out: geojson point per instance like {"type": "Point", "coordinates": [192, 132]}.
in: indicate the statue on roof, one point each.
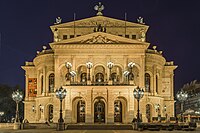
{"type": "Point", "coordinates": [140, 20]}
{"type": "Point", "coordinates": [99, 8]}
{"type": "Point", "coordinates": [58, 20]}
{"type": "Point", "coordinates": [56, 37]}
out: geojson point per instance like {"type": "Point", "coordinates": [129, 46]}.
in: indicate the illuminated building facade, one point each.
{"type": "Point", "coordinates": [99, 61]}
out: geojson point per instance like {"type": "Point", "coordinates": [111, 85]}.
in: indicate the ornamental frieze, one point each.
{"type": "Point", "coordinates": [99, 40]}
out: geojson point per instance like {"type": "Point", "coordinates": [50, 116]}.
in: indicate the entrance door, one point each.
{"type": "Point", "coordinates": [99, 112]}
{"type": "Point", "coordinates": [118, 111]}
{"type": "Point", "coordinates": [81, 111]}
{"type": "Point", "coordinates": [148, 112]}
{"type": "Point", "coordinates": [50, 118]}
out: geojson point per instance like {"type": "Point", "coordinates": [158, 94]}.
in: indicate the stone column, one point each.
{"type": "Point", "coordinates": [67, 107]}
{"type": "Point", "coordinates": [57, 73]}
{"type": "Point", "coordinates": [26, 80]}
{"type": "Point", "coordinates": [142, 71]}
{"type": "Point", "coordinates": [88, 111]}
{"type": "Point", "coordinates": [110, 107]}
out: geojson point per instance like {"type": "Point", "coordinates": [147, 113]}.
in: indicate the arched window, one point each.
{"type": "Point", "coordinates": [147, 82]}
{"type": "Point", "coordinates": [156, 83]}
{"type": "Point", "coordinates": [42, 85]}
{"type": "Point", "coordinates": [51, 82]}
{"type": "Point", "coordinates": [83, 77]}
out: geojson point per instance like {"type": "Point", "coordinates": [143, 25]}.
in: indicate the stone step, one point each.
{"type": "Point", "coordinates": [39, 125]}
{"type": "Point", "coordinates": [99, 127]}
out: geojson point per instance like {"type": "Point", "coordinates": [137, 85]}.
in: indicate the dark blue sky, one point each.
{"type": "Point", "coordinates": [174, 28]}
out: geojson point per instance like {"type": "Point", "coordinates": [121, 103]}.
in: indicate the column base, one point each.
{"type": "Point", "coordinates": [132, 82]}
{"type": "Point", "coordinates": [110, 82]}
{"type": "Point", "coordinates": [89, 82]}
{"type": "Point", "coordinates": [68, 82]}
{"type": "Point", "coordinates": [16, 125]}
{"type": "Point", "coordinates": [61, 126]}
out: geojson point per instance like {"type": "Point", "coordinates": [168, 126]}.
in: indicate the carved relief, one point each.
{"type": "Point", "coordinates": [99, 39]}
{"type": "Point", "coordinates": [166, 86]}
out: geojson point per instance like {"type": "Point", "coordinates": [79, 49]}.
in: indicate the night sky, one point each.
{"type": "Point", "coordinates": [174, 28]}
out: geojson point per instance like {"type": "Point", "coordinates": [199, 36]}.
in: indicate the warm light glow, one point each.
{"type": "Point", "coordinates": [17, 96]}
{"type": "Point", "coordinates": [182, 96]}
{"type": "Point", "coordinates": [68, 65]}
{"type": "Point", "coordinates": [89, 65]}
{"type": "Point", "coordinates": [131, 64]}
{"type": "Point", "coordinates": [110, 65]}
{"type": "Point", "coordinates": [61, 93]}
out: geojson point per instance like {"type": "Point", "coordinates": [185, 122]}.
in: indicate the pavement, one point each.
{"type": "Point", "coordinates": [91, 131]}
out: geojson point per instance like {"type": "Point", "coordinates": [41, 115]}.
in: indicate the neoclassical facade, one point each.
{"type": "Point", "coordinates": [99, 61]}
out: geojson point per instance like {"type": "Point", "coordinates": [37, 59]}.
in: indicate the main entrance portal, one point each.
{"type": "Point", "coordinates": [99, 111]}
{"type": "Point", "coordinates": [81, 111]}
{"type": "Point", "coordinates": [118, 111]}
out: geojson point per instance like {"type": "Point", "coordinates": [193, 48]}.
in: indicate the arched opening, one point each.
{"type": "Point", "coordinates": [83, 77]}
{"type": "Point", "coordinates": [42, 90]}
{"type": "Point", "coordinates": [50, 113]}
{"type": "Point", "coordinates": [78, 110]}
{"type": "Point", "coordinates": [99, 74]}
{"type": "Point", "coordinates": [99, 111]}
{"type": "Point", "coordinates": [51, 82]}
{"type": "Point", "coordinates": [81, 111]}
{"type": "Point", "coordinates": [118, 111]}
{"type": "Point", "coordinates": [116, 74]}
{"type": "Point", "coordinates": [148, 112]}
{"type": "Point", "coordinates": [147, 82]}
{"type": "Point", "coordinates": [99, 77]}
{"type": "Point", "coordinates": [82, 74]}
{"type": "Point", "coordinates": [134, 75]}
{"type": "Point", "coordinates": [156, 83]}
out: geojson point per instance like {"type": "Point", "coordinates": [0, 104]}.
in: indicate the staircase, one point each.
{"type": "Point", "coordinates": [99, 127]}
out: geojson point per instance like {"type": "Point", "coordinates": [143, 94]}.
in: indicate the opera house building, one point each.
{"type": "Point", "coordinates": [99, 61]}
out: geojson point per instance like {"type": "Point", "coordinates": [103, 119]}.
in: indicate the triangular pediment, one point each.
{"type": "Point", "coordinates": [99, 38]}
{"type": "Point", "coordinates": [103, 20]}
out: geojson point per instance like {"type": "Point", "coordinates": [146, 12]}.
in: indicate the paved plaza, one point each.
{"type": "Point", "coordinates": [90, 131]}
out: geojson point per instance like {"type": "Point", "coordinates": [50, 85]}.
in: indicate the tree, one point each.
{"type": "Point", "coordinates": [7, 105]}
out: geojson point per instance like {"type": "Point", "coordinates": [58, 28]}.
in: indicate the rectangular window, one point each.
{"type": "Point", "coordinates": [133, 36]}
{"type": "Point", "coordinates": [127, 36]}
{"type": "Point", "coordinates": [64, 37]}
{"type": "Point", "coordinates": [71, 36]}
{"type": "Point", "coordinates": [120, 35]}
{"type": "Point", "coordinates": [78, 35]}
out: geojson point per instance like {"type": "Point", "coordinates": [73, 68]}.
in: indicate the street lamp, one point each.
{"type": "Point", "coordinates": [181, 96]}
{"type": "Point", "coordinates": [131, 65]}
{"type": "Point", "coordinates": [60, 94]}
{"type": "Point", "coordinates": [110, 66]}
{"type": "Point", "coordinates": [1, 114]}
{"type": "Point", "coordinates": [73, 74]}
{"type": "Point", "coordinates": [68, 66]}
{"type": "Point", "coordinates": [138, 94]}
{"type": "Point", "coordinates": [126, 73]}
{"type": "Point", "coordinates": [17, 96]}
{"type": "Point", "coordinates": [89, 66]}
{"type": "Point", "coordinates": [157, 107]}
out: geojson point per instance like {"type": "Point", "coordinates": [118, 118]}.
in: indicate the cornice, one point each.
{"type": "Point", "coordinates": [100, 46]}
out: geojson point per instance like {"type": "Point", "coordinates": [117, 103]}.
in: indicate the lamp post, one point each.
{"type": "Point", "coordinates": [126, 73]}
{"type": "Point", "coordinates": [138, 94]}
{"type": "Point", "coordinates": [68, 66]}
{"type": "Point", "coordinates": [60, 94]}
{"type": "Point", "coordinates": [89, 66]}
{"type": "Point", "coordinates": [131, 65]}
{"type": "Point", "coordinates": [110, 66]}
{"type": "Point", "coordinates": [1, 114]}
{"type": "Point", "coordinates": [157, 107]}
{"type": "Point", "coordinates": [17, 96]}
{"type": "Point", "coordinates": [181, 96]}
{"type": "Point", "coordinates": [73, 74]}
{"type": "Point", "coordinates": [165, 109]}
